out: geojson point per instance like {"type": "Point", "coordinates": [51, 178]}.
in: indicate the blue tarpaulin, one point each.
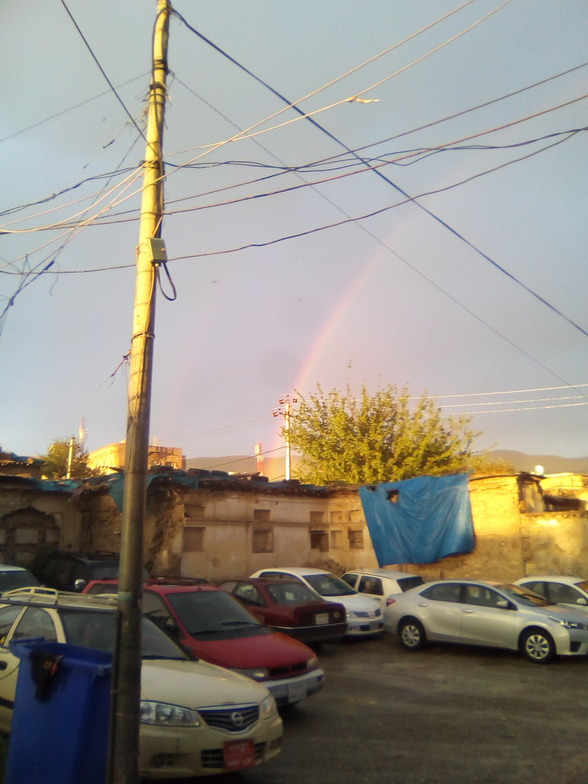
{"type": "Point", "coordinates": [419, 520]}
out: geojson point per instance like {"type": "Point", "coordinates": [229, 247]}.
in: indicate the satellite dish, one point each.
{"type": "Point", "coordinates": [539, 469]}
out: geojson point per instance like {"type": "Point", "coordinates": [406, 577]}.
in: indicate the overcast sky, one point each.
{"type": "Point", "coordinates": [474, 292]}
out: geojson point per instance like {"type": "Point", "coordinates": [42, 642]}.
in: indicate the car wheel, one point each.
{"type": "Point", "coordinates": [412, 634]}
{"type": "Point", "coordinates": [538, 646]}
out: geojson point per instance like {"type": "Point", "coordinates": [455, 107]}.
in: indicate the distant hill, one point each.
{"type": "Point", "coordinates": [274, 467]}
{"type": "Point", "coordinates": [552, 464]}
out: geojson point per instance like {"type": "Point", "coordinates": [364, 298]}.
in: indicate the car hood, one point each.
{"type": "Point", "coordinates": [559, 611]}
{"type": "Point", "coordinates": [267, 650]}
{"type": "Point", "coordinates": [196, 684]}
{"type": "Point", "coordinates": [356, 602]}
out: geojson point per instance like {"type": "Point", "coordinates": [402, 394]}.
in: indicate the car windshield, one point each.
{"type": "Point", "coordinates": [19, 578]}
{"type": "Point", "coordinates": [96, 630]}
{"type": "Point", "coordinates": [214, 615]}
{"type": "Point", "coordinates": [289, 593]}
{"type": "Point", "coordinates": [406, 583]}
{"type": "Point", "coordinates": [329, 585]}
{"type": "Point", "coordinates": [583, 586]}
{"type": "Point", "coordinates": [524, 596]}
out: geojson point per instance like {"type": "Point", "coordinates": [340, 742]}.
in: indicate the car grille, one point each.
{"type": "Point", "coordinates": [213, 759]}
{"type": "Point", "coordinates": [285, 672]}
{"type": "Point", "coordinates": [371, 614]}
{"type": "Point", "coordinates": [234, 719]}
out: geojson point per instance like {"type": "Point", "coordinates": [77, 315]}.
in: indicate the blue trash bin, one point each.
{"type": "Point", "coordinates": [59, 732]}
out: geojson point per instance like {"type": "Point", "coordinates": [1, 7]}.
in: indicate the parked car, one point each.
{"type": "Point", "coordinates": [381, 584]}
{"type": "Point", "coordinates": [490, 614]}
{"type": "Point", "coordinates": [216, 627]}
{"type": "Point", "coordinates": [72, 571]}
{"type": "Point", "coordinates": [196, 719]}
{"type": "Point", "coordinates": [290, 607]}
{"type": "Point", "coordinates": [364, 616]}
{"type": "Point", "coordinates": [12, 577]}
{"type": "Point", "coordinates": [571, 591]}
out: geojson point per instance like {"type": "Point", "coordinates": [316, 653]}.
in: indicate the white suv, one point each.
{"type": "Point", "coordinates": [382, 584]}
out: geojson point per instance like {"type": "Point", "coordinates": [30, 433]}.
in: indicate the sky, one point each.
{"type": "Point", "coordinates": [418, 220]}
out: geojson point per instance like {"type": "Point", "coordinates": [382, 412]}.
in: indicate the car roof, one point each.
{"type": "Point", "coordinates": [560, 578]}
{"type": "Point", "coordinates": [51, 598]}
{"type": "Point", "coordinates": [165, 585]}
{"type": "Point", "coordinates": [394, 574]}
{"type": "Point", "coordinates": [297, 570]}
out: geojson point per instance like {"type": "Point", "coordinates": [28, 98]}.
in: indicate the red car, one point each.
{"type": "Point", "coordinates": [216, 627]}
{"type": "Point", "coordinates": [291, 607]}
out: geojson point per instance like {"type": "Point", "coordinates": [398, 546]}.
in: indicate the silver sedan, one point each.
{"type": "Point", "coordinates": [490, 614]}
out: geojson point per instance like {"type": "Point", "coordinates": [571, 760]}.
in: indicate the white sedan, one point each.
{"type": "Point", "coordinates": [196, 718]}
{"type": "Point", "coordinates": [364, 614]}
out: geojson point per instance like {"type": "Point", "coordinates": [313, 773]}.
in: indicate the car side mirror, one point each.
{"type": "Point", "coordinates": [79, 584]}
{"type": "Point", "coordinates": [582, 601]}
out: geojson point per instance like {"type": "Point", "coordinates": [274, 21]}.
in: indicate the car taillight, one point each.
{"type": "Point", "coordinates": [390, 600]}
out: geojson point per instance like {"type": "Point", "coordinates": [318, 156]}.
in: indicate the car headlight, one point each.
{"type": "Point", "coordinates": [568, 624]}
{"type": "Point", "coordinates": [164, 714]}
{"type": "Point", "coordinates": [268, 708]}
{"type": "Point", "coordinates": [257, 673]}
{"type": "Point", "coordinates": [312, 663]}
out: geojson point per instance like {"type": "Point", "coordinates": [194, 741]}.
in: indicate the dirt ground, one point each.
{"type": "Point", "coordinates": [446, 715]}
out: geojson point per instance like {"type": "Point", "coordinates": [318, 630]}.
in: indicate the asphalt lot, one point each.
{"type": "Point", "coordinates": [446, 715]}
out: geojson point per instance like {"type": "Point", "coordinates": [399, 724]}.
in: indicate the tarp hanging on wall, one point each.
{"type": "Point", "coordinates": [419, 520]}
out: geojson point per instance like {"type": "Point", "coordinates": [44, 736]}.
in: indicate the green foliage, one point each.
{"type": "Point", "coordinates": [56, 461]}
{"type": "Point", "coordinates": [384, 437]}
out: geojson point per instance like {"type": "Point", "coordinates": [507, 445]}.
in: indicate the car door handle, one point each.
{"type": "Point", "coordinates": [467, 610]}
{"type": "Point", "coordinates": [423, 604]}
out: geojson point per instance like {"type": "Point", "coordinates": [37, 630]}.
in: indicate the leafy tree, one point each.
{"type": "Point", "coordinates": [382, 437]}
{"type": "Point", "coordinates": [56, 461]}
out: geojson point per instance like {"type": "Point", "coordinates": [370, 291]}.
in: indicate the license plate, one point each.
{"type": "Point", "coordinates": [239, 754]}
{"type": "Point", "coordinates": [321, 618]}
{"type": "Point", "coordinates": [296, 691]}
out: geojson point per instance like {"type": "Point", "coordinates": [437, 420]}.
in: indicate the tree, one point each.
{"type": "Point", "coordinates": [57, 458]}
{"type": "Point", "coordinates": [384, 437]}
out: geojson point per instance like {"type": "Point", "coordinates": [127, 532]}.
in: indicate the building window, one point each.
{"type": "Point", "coordinates": [263, 540]}
{"type": "Point", "coordinates": [355, 538]}
{"type": "Point", "coordinates": [317, 518]}
{"type": "Point", "coordinates": [261, 515]}
{"type": "Point", "coordinates": [319, 540]}
{"type": "Point", "coordinates": [194, 539]}
{"type": "Point", "coordinates": [337, 540]}
{"type": "Point", "coordinates": [194, 511]}
{"type": "Point", "coordinates": [337, 517]}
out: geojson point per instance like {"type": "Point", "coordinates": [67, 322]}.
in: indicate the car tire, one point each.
{"type": "Point", "coordinates": [411, 634]}
{"type": "Point", "coordinates": [537, 646]}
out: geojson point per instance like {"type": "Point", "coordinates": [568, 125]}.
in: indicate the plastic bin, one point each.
{"type": "Point", "coordinates": [59, 731]}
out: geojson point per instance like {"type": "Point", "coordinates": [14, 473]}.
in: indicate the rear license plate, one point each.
{"type": "Point", "coordinates": [321, 618]}
{"type": "Point", "coordinates": [239, 754]}
{"type": "Point", "coordinates": [296, 691]}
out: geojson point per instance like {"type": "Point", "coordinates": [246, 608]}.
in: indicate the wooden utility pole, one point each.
{"type": "Point", "coordinates": [126, 679]}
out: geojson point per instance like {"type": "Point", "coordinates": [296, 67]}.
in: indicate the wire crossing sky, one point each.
{"type": "Point", "coordinates": [458, 271]}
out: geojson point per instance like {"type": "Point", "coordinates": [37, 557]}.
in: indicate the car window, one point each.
{"type": "Point", "coordinates": [370, 585]}
{"type": "Point", "coordinates": [20, 578]}
{"type": "Point", "coordinates": [329, 585]}
{"type": "Point", "coordinates": [213, 614]}
{"type": "Point", "coordinates": [291, 592]}
{"type": "Point", "coordinates": [350, 578]}
{"type": "Point", "coordinates": [566, 594]}
{"type": "Point", "coordinates": [443, 592]}
{"type": "Point", "coordinates": [536, 585]}
{"type": "Point", "coordinates": [89, 629]}
{"type": "Point", "coordinates": [155, 608]}
{"type": "Point", "coordinates": [249, 594]}
{"type": "Point", "coordinates": [8, 615]}
{"type": "Point", "coordinates": [524, 595]}
{"type": "Point", "coordinates": [406, 583]}
{"type": "Point", "coordinates": [481, 596]}
{"type": "Point", "coordinates": [61, 576]}
{"type": "Point", "coordinates": [35, 623]}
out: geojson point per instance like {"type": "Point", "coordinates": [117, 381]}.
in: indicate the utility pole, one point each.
{"type": "Point", "coordinates": [126, 678]}
{"type": "Point", "coordinates": [286, 401]}
{"type": "Point", "coordinates": [70, 457]}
